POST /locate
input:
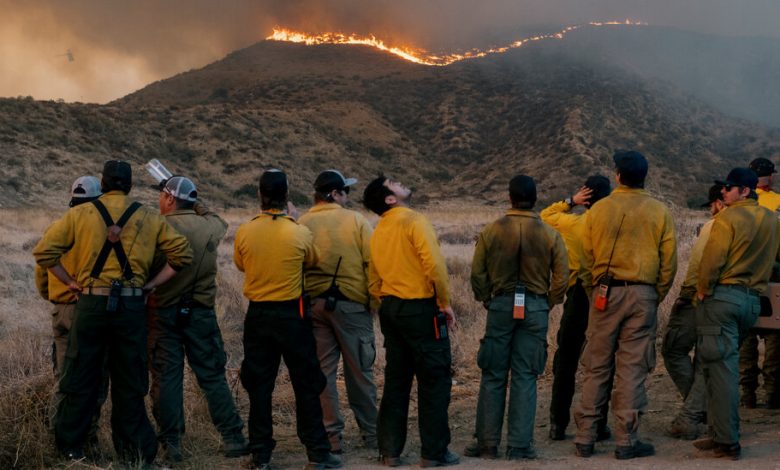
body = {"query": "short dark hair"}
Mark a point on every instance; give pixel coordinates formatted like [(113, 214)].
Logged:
[(182, 204), (522, 192), (115, 184), (117, 175), (600, 187), (273, 190), (374, 195), (632, 167)]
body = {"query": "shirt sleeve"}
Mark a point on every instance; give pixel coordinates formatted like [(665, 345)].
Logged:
[(714, 256), (57, 240), (364, 233), (587, 260), (174, 245), (42, 281), (667, 254), (480, 280), (434, 267), (555, 215), (238, 257), (560, 271)]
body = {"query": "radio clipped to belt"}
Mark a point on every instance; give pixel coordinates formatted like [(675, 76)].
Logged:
[(602, 293)]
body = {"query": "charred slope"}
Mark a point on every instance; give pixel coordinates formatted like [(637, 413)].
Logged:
[(459, 131)]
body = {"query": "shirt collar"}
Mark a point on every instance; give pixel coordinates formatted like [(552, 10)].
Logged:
[(326, 206), (522, 213)]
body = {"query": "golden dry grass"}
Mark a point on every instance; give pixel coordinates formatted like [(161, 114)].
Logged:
[(26, 378)]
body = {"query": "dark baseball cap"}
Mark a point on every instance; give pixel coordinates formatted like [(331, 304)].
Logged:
[(329, 180), (114, 170), (715, 194), (630, 162), (522, 188), (740, 177), (762, 167), (273, 184)]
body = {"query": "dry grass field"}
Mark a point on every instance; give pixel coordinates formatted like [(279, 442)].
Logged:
[(26, 378)]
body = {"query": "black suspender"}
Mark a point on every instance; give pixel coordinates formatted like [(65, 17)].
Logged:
[(127, 271)]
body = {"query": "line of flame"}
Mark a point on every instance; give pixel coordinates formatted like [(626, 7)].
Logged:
[(421, 56)]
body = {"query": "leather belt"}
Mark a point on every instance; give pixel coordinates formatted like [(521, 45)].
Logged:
[(620, 283), (125, 292), (745, 289)]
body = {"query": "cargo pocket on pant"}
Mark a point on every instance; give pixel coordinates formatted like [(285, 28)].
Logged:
[(367, 354), (537, 367), (489, 358), (650, 356), (710, 343), (437, 359)]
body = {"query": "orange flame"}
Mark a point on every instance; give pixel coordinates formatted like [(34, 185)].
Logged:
[(421, 56)]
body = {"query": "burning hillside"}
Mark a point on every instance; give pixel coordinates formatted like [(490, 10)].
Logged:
[(421, 56)]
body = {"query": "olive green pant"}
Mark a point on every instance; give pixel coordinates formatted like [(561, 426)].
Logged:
[(61, 324), (686, 373), (748, 364), (346, 332), (519, 346), (722, 321), (623, 338), (201, 341), (120, 337)]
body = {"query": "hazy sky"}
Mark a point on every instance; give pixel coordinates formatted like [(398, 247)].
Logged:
[(120, 46)]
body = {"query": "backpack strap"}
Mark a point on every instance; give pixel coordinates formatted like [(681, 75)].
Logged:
[(116, 246)]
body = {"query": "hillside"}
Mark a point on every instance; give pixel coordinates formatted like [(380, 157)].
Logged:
[(459, 131)]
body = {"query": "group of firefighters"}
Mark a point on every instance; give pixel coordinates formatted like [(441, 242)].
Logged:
[(134, 291)]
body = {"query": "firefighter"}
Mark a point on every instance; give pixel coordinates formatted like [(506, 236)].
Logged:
[(343, 325), (517, 251), (272, 250), (110, 244), (408, 274), (735, 267), (181, 320), (680, 337), (630, 259), (84, 189), (574, 321), (748, 352)]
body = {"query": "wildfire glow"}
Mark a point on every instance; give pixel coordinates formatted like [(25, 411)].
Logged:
[(421, 56)]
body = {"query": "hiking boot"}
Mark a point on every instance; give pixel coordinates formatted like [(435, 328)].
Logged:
[(520, 453), (748, 400), (449, 458), (336, 444), (236, 446), (603, 434), (583, 450), (639, 449), (731, 451), (74, 455), (390, 461), (260, 463), (705, 443), (172, 452), (557, 433), (329, 461), (477, 450), (683, 429)]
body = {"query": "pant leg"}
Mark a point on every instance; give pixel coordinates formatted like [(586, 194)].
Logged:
[(771, 367), (80, 382), (328, 353), (570, 338), (748, 364), (206, 356), (61, 323), (166, 357), (722, 319), (679, 339), (262, 356), (399, 373), (300, 356), (694, 408), (529, 356), (133, 434), (494, 356), (634, 359), (598, 362), (354, 329)]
